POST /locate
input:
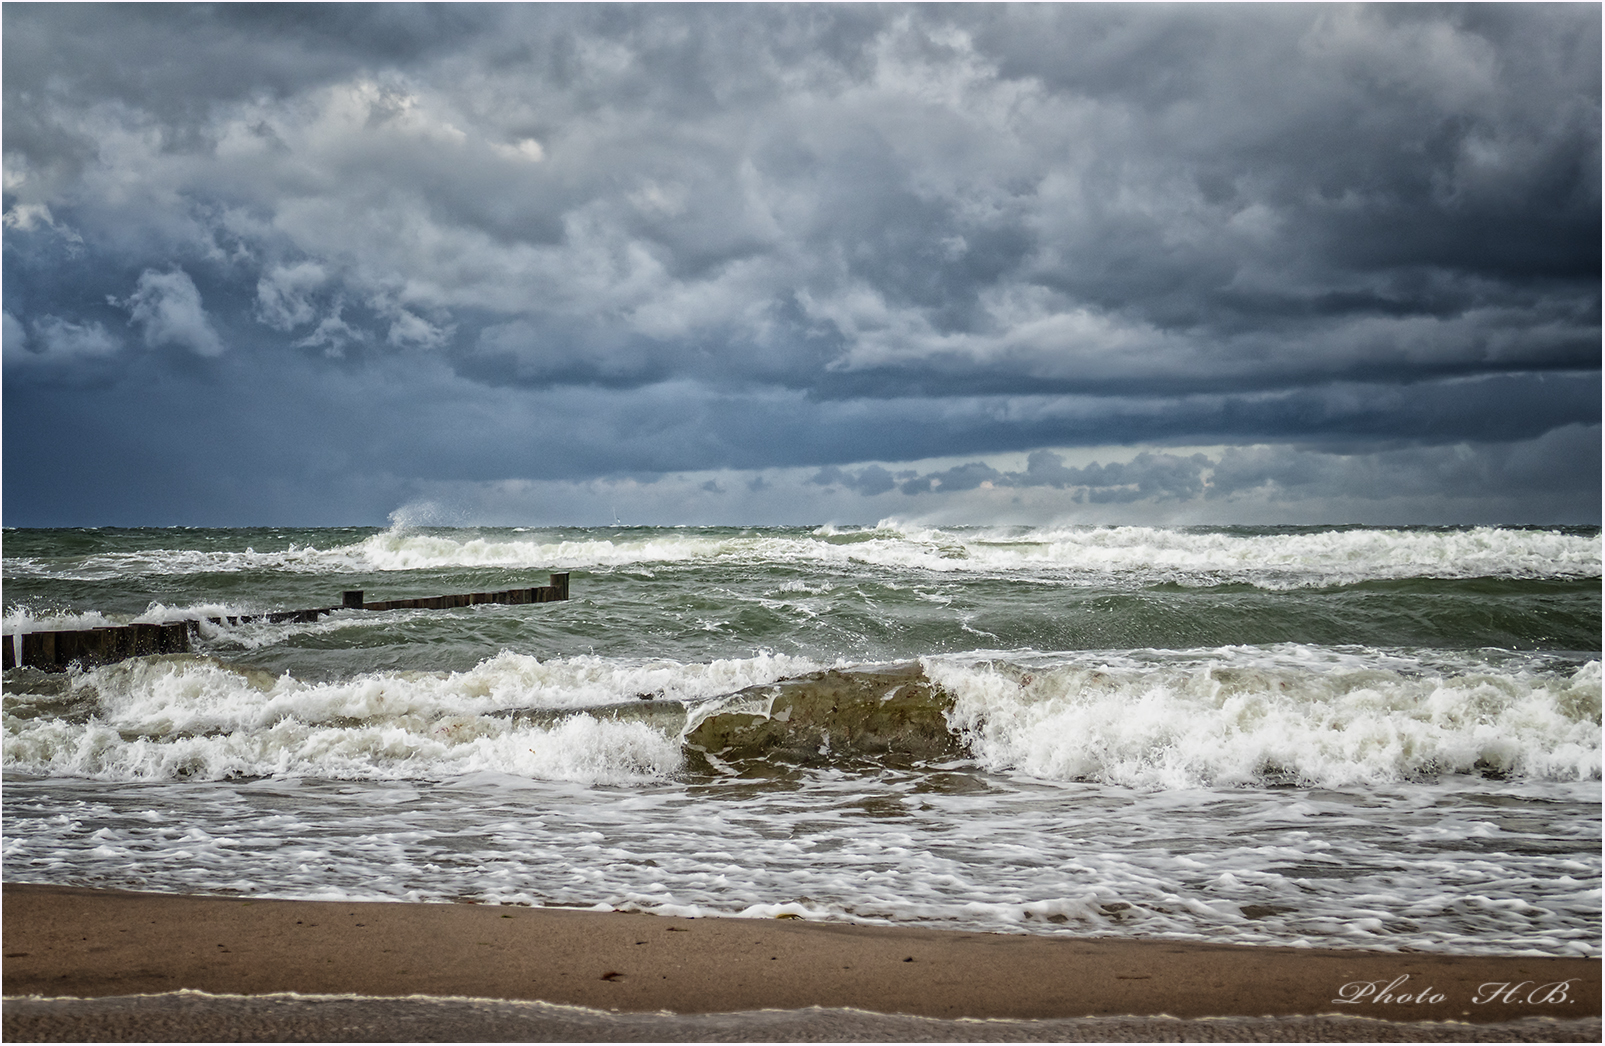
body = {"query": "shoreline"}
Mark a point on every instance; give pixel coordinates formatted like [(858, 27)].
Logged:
[(70, 942), (198, 1017)]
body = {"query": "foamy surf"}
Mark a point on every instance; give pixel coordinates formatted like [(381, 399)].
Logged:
[(1286, 715), (1145, 555), (1366, 737), (186, 717), (1141, 719)]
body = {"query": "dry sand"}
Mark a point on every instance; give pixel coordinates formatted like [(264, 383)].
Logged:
[(626, 969)]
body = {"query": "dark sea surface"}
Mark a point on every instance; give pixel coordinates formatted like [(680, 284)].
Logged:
[(1348, 736)]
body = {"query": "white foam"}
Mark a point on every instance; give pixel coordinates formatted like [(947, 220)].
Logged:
[(448, 800), (581, 748), (1269, 560), (1096, 554), (1241, 716), (1150, 553), (168, 717), (21, 618)]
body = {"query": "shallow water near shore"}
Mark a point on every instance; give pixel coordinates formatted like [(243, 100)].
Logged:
[(1325, 736)]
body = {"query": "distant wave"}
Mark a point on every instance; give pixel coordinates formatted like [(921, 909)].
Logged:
[(1269, 559)]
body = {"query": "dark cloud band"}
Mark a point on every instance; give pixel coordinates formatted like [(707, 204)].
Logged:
[(569, 241)]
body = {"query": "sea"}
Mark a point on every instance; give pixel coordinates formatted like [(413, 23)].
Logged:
[(1347, 736)]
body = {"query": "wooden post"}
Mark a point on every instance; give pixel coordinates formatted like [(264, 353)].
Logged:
[(175, 637), (39, 649), (108, 645), (53, 651), (147, 639)]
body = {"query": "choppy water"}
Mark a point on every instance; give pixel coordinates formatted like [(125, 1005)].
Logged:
[(1335, 736)]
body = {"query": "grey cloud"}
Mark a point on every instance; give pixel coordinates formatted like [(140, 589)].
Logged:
[(821, 235), (940, 236), (61, 341), (1568, 456), (868, 481), (1148, 476), (960, 477)]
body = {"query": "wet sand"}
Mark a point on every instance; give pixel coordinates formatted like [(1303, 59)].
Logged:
[(626, 970)]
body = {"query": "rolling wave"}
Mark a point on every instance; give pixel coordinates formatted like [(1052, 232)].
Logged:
[(1269, 558), (1142, 719)]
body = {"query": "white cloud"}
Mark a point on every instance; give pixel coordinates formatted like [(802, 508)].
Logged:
[(25, 217), (927, 193), (284, 294), (64, 339), (167, 306), (13, 339), (62, 345), (527, 149), (411, 331), (332, 334)]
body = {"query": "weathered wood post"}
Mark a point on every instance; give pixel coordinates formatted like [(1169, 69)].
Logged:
[(175, 637), (54, 650), (39, 649), (147, 639)]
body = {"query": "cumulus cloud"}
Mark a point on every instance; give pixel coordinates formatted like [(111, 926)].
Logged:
[(13, 338), (333, 333), (284, 294), (56, 341), (61, 339), (166, 306)]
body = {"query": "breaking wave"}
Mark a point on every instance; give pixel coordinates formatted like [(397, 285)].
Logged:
[(1142, 719)]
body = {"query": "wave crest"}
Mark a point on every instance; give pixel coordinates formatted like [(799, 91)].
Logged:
[(1289, 715), (1270, 559)]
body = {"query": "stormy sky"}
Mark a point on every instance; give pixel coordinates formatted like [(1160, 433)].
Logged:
[(329, 264)]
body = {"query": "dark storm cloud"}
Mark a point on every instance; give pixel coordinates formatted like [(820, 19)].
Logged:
[(559, 241)]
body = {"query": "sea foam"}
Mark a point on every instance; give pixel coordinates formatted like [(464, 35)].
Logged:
[(1290, 714), (1150, 720), (1146, 555), (184, 716)]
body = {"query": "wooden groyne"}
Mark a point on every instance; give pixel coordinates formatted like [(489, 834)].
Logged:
[(53, 651)]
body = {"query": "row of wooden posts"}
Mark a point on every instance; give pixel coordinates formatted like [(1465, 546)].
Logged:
[(53, 651)]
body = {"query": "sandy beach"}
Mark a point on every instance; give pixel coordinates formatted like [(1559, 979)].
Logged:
[(62, 942)]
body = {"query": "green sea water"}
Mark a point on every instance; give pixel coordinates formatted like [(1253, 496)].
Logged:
[(1343, 735)]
